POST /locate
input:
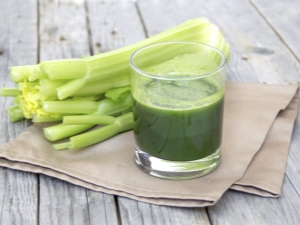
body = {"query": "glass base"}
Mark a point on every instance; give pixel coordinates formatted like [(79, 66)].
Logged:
[(177, 170)]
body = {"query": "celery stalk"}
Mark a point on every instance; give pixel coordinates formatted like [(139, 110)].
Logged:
[(45, 118), (110, 64), (9, 92), (21, 73), (104, 107), (66, 90), (64, 69), (89, 119), (15, 113), (123, 123), (37, 74), (61, 146), (100, 87), (61, 131), (94, 136), (70, 107), (111, 107), (48, 87)]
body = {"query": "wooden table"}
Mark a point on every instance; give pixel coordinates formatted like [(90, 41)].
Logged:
[(264, 36)]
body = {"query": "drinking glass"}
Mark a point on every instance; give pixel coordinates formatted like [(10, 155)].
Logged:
[(178, 95)]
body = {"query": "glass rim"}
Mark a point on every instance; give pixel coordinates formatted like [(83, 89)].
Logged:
[(162, 77)]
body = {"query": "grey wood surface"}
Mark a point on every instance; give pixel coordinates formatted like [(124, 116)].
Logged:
[(264, 49), (285, 21), (64, 33), (284, 18), (18, 45)]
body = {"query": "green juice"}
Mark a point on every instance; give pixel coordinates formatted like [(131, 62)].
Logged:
[(178, 120)]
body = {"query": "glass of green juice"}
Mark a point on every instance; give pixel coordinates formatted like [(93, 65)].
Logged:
[(178, 96)]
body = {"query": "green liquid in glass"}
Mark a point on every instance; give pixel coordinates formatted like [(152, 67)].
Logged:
[(178, 120)]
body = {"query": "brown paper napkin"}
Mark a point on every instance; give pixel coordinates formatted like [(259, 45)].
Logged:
[(258, 124)]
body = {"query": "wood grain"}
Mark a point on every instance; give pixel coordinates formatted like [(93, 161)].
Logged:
[(135, 212), (63, 29), (113, 25), (293, 166), (257, 53), (18, 46), (64, 34), (62, 203), (284, 18), (102, 208), (237, 208)]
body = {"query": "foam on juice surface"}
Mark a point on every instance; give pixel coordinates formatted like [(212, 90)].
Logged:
[(180, 94)]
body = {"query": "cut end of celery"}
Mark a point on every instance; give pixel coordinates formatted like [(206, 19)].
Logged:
[(15, 113), (70, 88), (61, 146), (9, 92), (64, 69), (49, 134)]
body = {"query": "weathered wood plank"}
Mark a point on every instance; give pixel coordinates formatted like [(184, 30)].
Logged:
[(19, 203), (135, 212), (18, 46), (62, 203), (257, 55), (64, 34), (63, 29), (102, 208), (293, 165), (231, 209), (113, 25), (284, 17)]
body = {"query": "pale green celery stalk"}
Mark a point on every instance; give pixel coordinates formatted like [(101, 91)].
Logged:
[(104, 107), (61, 131), (111, 107), (20, 86), (61, 146), (100, 87), (118, 94), (110, 64), (12, 92), (89, 119), (36, 118), (123, 123), (38, 74), (15, 113), (28, 85), (64, 69), (66, 90), (116, 62), (21, 73), (85, 98), (48, 87), (70, 107)]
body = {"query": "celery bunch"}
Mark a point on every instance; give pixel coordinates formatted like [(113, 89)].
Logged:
[(87, 92)]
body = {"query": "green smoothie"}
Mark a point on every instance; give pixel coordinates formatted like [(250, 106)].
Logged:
[(179, 120)]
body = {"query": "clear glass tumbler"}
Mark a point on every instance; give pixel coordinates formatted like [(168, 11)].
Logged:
[(178, 95)]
